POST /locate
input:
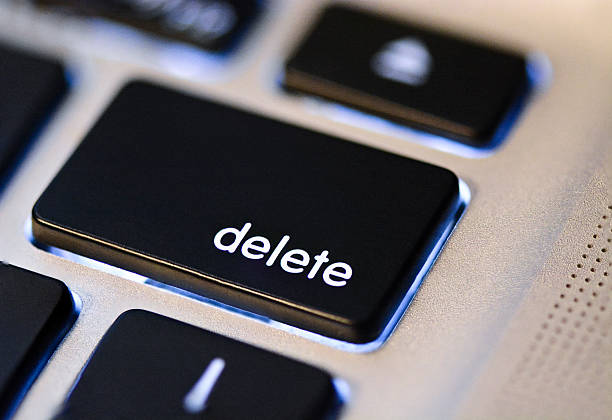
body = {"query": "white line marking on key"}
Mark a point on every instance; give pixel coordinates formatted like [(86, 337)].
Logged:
[(195, 400)]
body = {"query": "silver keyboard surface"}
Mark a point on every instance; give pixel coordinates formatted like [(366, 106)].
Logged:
[(489, 334)]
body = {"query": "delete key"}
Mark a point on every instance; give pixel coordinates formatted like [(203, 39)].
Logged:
[(303, 228)]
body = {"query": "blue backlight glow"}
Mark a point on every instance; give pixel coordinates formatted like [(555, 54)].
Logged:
[(465, 196)]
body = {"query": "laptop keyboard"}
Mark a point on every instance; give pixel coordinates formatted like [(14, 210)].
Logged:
[(317, 236), (274, 220)]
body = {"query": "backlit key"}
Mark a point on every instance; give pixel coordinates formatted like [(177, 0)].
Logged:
[(408, 73), (298, 226)]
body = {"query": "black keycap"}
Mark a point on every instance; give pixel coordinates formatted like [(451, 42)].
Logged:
[(29, 87), (35, 313), (151, 367), (407, 73), (285, 222), (214, 25)]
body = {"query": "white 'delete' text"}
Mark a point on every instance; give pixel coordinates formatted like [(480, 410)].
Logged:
[(294, 261)]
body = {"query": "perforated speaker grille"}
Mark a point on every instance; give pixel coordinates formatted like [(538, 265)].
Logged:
[(554, 361), (569, 359)]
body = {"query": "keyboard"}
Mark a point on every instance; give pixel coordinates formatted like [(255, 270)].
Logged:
[(305, 209)]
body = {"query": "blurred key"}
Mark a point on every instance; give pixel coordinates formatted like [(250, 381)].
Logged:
[(213, 25), (35, 313), (151, 367), (410, 74), (29, 87)]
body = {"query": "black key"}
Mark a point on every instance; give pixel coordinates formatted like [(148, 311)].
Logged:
[(29, 87), (407, 73), (214, 25), (35, 313), (151, 367), (285, 222)]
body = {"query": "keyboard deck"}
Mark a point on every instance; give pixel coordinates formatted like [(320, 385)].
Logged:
[(496, 329)]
